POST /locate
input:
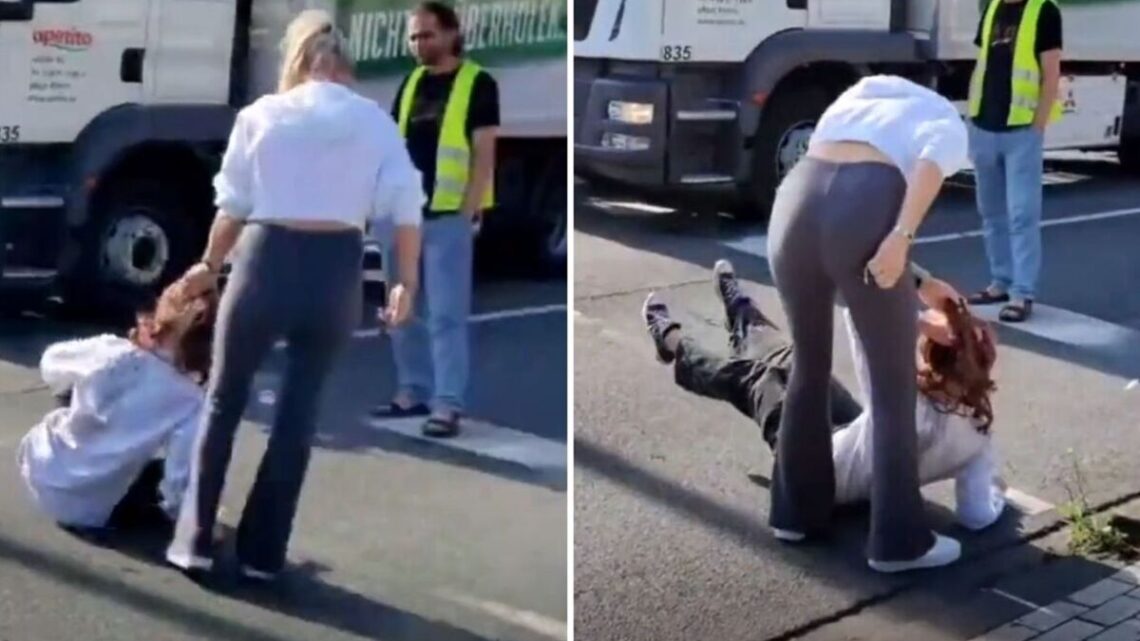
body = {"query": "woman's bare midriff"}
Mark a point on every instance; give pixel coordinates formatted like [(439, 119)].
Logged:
[(309, 225), (847, 152)]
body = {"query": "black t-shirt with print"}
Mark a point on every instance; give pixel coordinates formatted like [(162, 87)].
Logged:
[(997, 91), (426, 118)]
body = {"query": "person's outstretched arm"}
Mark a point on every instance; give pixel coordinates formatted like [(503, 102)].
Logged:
[(483, 119), (233, 186), (176, 464), (943, 151), (400, 198), (63, 364)]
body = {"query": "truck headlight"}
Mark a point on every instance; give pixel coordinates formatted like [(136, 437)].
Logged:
[(625, 142), (632, 113)]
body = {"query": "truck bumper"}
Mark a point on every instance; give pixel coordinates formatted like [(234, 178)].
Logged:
[(657, 127), (30, 235)]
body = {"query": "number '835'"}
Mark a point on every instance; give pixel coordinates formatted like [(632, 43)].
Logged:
[(676, 52)]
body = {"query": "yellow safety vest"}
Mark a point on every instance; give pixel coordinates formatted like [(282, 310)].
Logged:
[(1026, 72), (453, 158)]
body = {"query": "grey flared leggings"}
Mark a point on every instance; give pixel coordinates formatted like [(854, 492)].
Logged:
[(827, 222), (304, 287)]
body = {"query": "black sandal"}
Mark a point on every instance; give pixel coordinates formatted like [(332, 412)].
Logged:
[(436, 427), (986, 297), (1016, 312), (394, 410)]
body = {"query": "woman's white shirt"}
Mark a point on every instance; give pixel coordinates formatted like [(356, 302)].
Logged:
[(127, 406), (949, 446), (905, 121), (319, 152)]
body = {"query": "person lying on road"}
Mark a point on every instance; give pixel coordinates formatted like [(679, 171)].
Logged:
[(953, 412), (95, 462)]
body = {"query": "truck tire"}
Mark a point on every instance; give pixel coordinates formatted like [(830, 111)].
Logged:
[(550, 207), (781, 140), (142, 239)]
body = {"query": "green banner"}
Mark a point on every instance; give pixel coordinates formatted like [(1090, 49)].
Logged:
[(495, 31)]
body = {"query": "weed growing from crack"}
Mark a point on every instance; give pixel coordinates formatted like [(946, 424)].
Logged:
[(1091, 534)]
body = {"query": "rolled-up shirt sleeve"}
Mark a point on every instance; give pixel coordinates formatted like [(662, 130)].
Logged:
[(399, 195), (945, 143), (233, 184)]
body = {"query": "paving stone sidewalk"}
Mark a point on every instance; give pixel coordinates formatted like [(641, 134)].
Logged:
[(1108, 610)]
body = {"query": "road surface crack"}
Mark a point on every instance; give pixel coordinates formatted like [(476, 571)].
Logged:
[(1052, 527)]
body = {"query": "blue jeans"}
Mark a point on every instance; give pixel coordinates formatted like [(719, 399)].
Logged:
[(1008, 168), (431, 350)]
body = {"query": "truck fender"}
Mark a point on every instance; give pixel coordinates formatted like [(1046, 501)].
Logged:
[(112, 133), (784, 52)]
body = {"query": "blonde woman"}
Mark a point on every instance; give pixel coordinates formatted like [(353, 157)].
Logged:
[(305, 170)]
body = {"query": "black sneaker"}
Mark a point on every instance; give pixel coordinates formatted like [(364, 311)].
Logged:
[(728, 290), (658, 323), (738, 307)]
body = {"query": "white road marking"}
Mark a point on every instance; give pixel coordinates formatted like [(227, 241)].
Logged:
[(605, 203), (756, 243), (1102, 338), (533, 621), (488, 440), (476, 319), (1052, 222), (1027, 504), (504, 314), (1016, 599)]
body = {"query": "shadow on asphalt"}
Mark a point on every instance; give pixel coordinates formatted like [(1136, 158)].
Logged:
[(695, 238), (514, 387), (300, 593), (841, 560)]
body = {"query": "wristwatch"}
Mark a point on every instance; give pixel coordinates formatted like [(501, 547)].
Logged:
[(904, 232)]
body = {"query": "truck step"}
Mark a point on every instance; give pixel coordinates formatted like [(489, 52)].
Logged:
[(31, 202), (705, 179), (706, 115)]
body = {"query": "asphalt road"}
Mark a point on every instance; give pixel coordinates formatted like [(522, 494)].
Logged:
[(670, 500), (396, 539)]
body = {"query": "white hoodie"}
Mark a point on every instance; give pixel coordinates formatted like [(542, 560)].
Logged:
[(127, 406), (949, 446), (319, 152)]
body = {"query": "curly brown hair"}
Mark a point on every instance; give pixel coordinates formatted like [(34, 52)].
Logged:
[(191, 318), (957, 378)]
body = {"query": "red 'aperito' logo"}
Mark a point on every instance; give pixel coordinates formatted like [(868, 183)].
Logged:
[(66, 39)]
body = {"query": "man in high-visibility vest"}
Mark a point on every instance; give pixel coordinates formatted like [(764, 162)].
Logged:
[(1013, 98), (448, 111)]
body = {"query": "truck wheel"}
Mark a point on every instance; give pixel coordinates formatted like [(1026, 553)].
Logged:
[(141, 241), (549, 205), (786, 126)]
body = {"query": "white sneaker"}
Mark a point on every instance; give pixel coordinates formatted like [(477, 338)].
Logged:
[(190, 562), (788, 536), (944, 552), (254, 574)]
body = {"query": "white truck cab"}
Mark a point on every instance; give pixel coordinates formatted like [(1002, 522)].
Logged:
[(721, 96), (114, 115)]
